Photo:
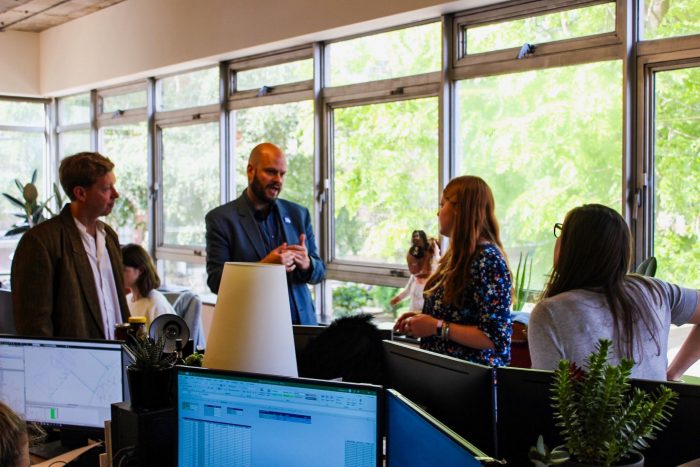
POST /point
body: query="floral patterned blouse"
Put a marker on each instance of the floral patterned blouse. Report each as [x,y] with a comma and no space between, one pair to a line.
[486,305]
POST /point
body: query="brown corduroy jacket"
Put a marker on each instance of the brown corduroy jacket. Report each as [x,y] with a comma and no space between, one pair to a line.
[53,288]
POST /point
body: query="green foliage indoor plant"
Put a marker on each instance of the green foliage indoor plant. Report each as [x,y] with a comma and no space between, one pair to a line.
[151,376]
[32,210]
[602,419]
[521,284]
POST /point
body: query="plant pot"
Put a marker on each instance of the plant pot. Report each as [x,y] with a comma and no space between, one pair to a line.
[635,459]
[151,389]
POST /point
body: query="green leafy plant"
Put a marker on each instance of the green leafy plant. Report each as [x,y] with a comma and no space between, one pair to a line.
[148,354]
[194,359]
[541,455]
[32,210]
[523,276]
[348,299]
[601,417]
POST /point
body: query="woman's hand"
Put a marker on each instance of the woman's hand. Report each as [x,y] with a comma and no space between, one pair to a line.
[416,324]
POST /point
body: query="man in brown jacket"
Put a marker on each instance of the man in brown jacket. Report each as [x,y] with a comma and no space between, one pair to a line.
[67,272]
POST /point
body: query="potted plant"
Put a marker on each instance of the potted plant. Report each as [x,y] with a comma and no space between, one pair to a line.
[32,210]
[603,420]
[151,376]
[521,284]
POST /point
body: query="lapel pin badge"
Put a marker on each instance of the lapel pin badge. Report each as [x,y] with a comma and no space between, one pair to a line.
[287,220]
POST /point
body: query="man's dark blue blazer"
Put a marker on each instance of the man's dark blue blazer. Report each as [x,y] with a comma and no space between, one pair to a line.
[233,235]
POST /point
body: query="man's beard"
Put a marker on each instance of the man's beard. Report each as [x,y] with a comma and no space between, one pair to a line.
[259,191]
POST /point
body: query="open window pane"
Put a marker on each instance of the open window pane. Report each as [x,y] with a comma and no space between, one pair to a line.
[544,147]
[285,73]
[21,153]
[131,100]
[191,185]
[677,176]
[74,109]
[71,142]
[392,54]
[127,147]
[291,127]
[670,18]
[562,25]
[385,178]
[22,113]
[189,89]
[349,298]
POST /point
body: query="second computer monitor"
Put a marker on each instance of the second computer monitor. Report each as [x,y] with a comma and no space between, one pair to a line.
[229,418]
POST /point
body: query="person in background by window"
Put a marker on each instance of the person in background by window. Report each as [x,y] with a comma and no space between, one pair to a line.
[67,272]
[141,277]
[467,300]
[590,296]
[14,441]
[422,259]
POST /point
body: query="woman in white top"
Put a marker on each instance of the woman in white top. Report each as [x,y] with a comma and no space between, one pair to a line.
[422,259]
[590,296]
[141,278]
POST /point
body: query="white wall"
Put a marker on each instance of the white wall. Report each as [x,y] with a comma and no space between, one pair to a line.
[140,38]
[19,63]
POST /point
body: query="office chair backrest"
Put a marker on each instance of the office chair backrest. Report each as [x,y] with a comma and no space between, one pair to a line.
[188,306]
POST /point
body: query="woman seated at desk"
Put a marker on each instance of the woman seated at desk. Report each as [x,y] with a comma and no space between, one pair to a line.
[591,296]
[466,313]
[141,278]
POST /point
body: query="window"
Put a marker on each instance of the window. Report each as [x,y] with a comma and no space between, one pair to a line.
[348,298]
[402,52]
[127,146]
[550,27]
[191,186]
[74,109]
[125,101]
[385,178]
[677,175]
[544,148]
[669,18]
[188,89]
[73,125]
[275,75]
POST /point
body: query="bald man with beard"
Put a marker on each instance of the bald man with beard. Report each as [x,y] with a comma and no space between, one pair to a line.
[260,227]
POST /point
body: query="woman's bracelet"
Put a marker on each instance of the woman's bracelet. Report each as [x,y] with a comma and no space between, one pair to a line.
[446,331]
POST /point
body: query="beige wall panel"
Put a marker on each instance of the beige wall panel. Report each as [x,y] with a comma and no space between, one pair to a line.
[19,64]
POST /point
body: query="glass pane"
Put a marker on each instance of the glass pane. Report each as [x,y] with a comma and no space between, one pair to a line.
[74,109]
[71,142]
[131,100]
[291,127]
[677,176]
[349,298]
[391,54]
[292,72]
[191,185]
[21,154]
[384,189]
[127,147]
[562,25]
[189,90]
[182,274]
[21,113]
[544,147]
[670,18]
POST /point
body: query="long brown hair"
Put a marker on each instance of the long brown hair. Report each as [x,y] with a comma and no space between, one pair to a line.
[474,222]
[595,250]
[135,256]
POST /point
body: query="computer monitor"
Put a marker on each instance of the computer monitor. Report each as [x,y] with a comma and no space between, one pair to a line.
[62,383]
[456,392]
[415,438]
[231,418]
[676,443]
[523,412]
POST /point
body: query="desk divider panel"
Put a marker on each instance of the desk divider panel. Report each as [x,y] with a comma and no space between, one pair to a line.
[456,392]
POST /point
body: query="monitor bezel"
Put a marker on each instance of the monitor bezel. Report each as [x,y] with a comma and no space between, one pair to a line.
[69,426]
[378,390]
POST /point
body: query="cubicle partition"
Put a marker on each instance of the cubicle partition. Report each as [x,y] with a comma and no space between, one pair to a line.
[458,393]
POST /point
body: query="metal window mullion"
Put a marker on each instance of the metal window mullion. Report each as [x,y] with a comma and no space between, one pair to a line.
[504,12]
[187,116]
[271,99]
[73,127]
[225,141]
[23,129]
[154,214]
[278,57]
[186,254]
[128,117]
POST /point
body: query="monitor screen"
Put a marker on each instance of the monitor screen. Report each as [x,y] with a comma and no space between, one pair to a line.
[227,418]
[60,382]
[458,393]
[415,438]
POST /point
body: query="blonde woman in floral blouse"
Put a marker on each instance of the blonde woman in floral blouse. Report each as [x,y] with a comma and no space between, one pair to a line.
[467,301]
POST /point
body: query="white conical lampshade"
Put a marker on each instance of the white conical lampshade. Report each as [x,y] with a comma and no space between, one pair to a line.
[252,326]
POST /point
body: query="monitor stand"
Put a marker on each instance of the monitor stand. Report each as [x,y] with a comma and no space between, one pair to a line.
[63,441]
